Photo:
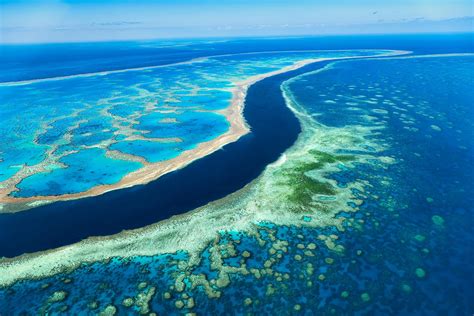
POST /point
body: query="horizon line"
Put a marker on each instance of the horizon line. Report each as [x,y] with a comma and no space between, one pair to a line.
[224,37]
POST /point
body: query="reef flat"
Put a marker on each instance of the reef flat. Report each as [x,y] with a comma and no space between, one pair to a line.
[350,218]
[138,124]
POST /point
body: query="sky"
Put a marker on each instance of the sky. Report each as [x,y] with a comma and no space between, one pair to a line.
[25,21]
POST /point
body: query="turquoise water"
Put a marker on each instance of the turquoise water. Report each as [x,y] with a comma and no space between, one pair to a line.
[104,170]
[408,250]
[154,113]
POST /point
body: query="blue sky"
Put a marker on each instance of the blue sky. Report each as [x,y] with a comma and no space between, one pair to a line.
[87,20]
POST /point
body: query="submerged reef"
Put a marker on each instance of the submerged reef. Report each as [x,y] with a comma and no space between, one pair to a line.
[349,219]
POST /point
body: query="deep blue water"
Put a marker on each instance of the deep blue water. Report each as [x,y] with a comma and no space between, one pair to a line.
[23,62]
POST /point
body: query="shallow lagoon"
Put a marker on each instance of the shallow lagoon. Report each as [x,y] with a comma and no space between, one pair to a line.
[103,171]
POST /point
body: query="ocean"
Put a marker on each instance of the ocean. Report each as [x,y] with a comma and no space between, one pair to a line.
[366,206]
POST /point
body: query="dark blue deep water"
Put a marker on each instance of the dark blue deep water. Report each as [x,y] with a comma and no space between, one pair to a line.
[24,62]
[411,254]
